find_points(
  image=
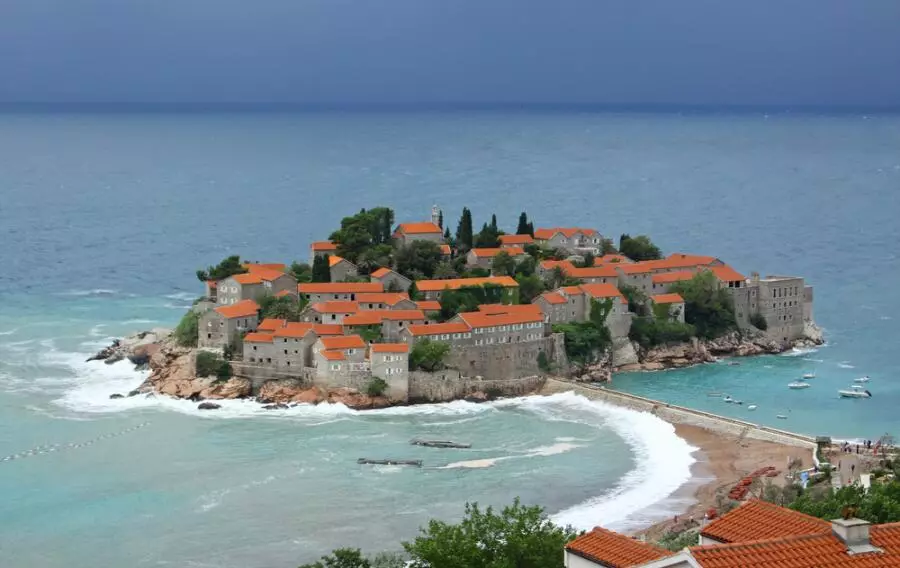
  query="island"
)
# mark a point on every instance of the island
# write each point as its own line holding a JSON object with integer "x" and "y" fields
{"x": 385, "y": 314}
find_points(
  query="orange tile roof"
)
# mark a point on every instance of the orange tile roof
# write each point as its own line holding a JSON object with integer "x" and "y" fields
{"x": 603, "y": 291}
{"x": 335, "y": 259}
{"x": 340, "y": 287}
{"x": 342, "y": 342}
{"x": 667, "y": 298}
{"x": 605, "y": 271}
{"x": 381, "y": 272}
{"x": 635, "y": 268}
{"x": 457, "y": 283}
{"x": 481, "y": 319}
{"x": 509, "y": 309}
{"x": 553, "y": 298}
{"x": 419, "y": 228}
{"x": 445, "y": 250}
{"x": 335, "y": 307}
{"x": 241, "y": 309}
{"x": 613, "y": 259}
{"x": 429, "y": 305}
{"x": 271, "y": 324}
{"x": 758, "y": 520}
{"x": 323, "y": 246}
{"x": 614, "y": 550}
{"x": 491, "y": 252}
{"x": 438, "y": 328}
{"x": 727, "y": 274}
{"x": 389, "y": 348}
{"x": 516, "y": 239}
{"x": 568, "y": 232}
{"x": 375, "y": 317}
{"x": 258, "y": 338}
{"x": 886, "y": 536}
{"x": 333, "y": 355}
{"x": 327, "y": 329}
{"x": 551, "y": 264}
{"x": 257, "y": 276}
{"x": 294, "y": 329}
{"x": 667, "y": 277}
{"x": 690, "y": 259}
{"x": 256, "y": 266}
{"x": 571, "y": 290}
{"x": 389, "y": 298}
{"x": 285, "y": 293}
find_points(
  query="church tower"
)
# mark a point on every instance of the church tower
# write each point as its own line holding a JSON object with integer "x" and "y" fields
{"x": 435, "y": 215}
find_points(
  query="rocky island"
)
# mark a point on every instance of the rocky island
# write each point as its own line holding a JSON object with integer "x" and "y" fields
{"x": 386, "y": 314}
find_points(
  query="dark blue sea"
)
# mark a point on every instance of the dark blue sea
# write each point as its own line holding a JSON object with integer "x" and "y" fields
{"x": 104, "y": 218}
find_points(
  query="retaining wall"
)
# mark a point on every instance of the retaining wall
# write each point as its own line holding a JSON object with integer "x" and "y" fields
{"x": 449, "y": 385}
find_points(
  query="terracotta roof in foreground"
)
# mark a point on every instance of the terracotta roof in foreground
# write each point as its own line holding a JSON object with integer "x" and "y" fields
{"x": 294, "y": 329}
{"x": 603, "y": 271}
{"x": 242, "y": 309}
{"x": 389, "y": 348}
{"x": 254, "y": 266}
{"x": 335, "y": 307}
{"x": 334, "y": 355}
{"x": 258, "y": 275}
{"x": 343, "y": 342}
{"x": 516, "y": 239}
{"x": 419, "y": 228}
{"x": 376, "y": 317}
{"x": 492, "y": 252}
{"x": 613, "y": 259}
{"x": 727, "y": 274}
{"x": 614, "y": 550}
{"x": 340, "y": 287}
{"x": 568, "y": 232}
{"x": 758, "y": 520}
{"x": 668, "y": 277}
{"x": 429, "y": 305}
{"x": 323, "y": 246}
{"x": 667, "y": 298}
{"x": 258, "y": 338}
{"x": 603, "y": 291}
{"x": 457, "y": 283}
{"x": 482, "y": 320}
{"x": 271, "y": 324}
{"x": 438, "y": 329}
{"x": 335, "y": 259}
{"x": 389, "y": 298}
{"x": 553, "y": 298}
{"x": 493, "y": 309}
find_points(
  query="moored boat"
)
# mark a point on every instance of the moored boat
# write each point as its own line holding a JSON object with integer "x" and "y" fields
{"x": 751, "y": 407}
{"x": 862, "y": 379}
{"x": 728, "y": 398}
{"x": 855, "y": 391}
{"x": 798, "y": 385}
{"x": 807, "y": 376}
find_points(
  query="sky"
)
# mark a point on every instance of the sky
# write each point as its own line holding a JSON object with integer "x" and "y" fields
{"x": 639, "y": 52}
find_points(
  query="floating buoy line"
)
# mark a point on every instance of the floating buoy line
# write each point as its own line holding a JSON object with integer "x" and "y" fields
{"x": 51, "y": 448}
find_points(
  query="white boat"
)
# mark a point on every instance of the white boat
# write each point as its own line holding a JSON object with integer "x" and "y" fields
{"x": 781, "y": 417}
{"x": 798, "y": 385}
{"x": 855, "y": 391}
{"x": 751, "y": 407}
{"x": 807, "y": 376}
{"x": 862, "y": 379}
{"x": 728, "y": 398}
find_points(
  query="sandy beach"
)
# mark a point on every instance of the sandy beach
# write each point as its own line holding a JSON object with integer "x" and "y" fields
{"x": 723, "y": 459}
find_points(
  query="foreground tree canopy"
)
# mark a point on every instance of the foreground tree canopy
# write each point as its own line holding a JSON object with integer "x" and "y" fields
{"x": 707, "y": 307}
{"x": 228, "y": 267}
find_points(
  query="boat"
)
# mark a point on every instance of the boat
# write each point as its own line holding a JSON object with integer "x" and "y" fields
{"x": 366, "y": 461}
{"x": 781, "y": 417}
{"x": 439, "y": 444}
{"x": 865, "y": 379}
{"x": 799, "y": 385}
{"x": 739, "y": 402}
{"x": 855, "y": 391}
{"x": 751, "y": 407}
{"x": 807, "y": 376}
{"x": 728, "y": 398}
{"x": 713, "y": 394}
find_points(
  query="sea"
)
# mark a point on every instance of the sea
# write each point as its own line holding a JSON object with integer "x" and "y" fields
{"x": 106, "y": 216}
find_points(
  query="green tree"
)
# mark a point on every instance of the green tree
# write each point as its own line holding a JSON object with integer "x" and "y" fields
{"x": 586, "y": 342}
{"x": 301, "y": 271}
{"x": 342, "y": 558}
{"x": 516, "y": 537}
{"x": 527, "y": 266}
{"x": 413, "y": 292}
{"x": 441, "y": 219}
{"x": 493, "y": 225}
{"x": 650, "y": 332}
{"x": 503, "y": 264}
{"x": 588, "y": 260}
{"x": 524, "y": 227}
{"x": 488, "y": 237}
{"x": 447, "y": 238}
{"x": 533, "y": 250}
{"x": 228, "y": 267}
{"x": 370, "y": 333}
{"x": 477, "y": 272}
{"x": 639, "y": 248}
{"x": 280, "y": 307}
{"x": 758, "y": 321}
{"x": 418, "y": 256}
{"x": 607, "y": 247}
{"x": 555, "y": 278}
{"x": 208, "y": 364}
{"x": 879, "y": 504}
{"x": 530, "y": 287}
{"x": 376, "y": 387}
{"x": 543, "y": 362}
{"x": 374, "y": 258}
{"x": 464, "y": 231}
{"x": 707, "y": 307}
{"x": 186, "y": 332}
{"x": 468, "y": 298}
{"x": 360, "y": 232}
{"x": 444, "y": 271}
{"x": 637, "y": 299}
{"x": 321, "y": 271}
{"x": 428, "y": 355}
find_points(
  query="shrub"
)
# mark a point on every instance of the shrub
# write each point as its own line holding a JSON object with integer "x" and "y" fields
{"x": 208, "y": 364}
{"x": 707, "y": 307}
{"x": 229, "y": 267}
{"x": 428, "y": 355}
{"x": 758, "y": 321}
{"x": 543, "y": 362}
{"x": 376, "y": 387}
{"x": 187, "y": 329}
{"x": 650, "y": 332}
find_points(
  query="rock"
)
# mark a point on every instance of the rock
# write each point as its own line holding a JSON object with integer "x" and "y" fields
{"x": 141, "y": 354}
{"x": 280, "y": 390}
{"x": 116, "y": 395}
{"x": 208, "y": 406}
{"x": 106, "y": 352}
{"x": 477, "y": 396}
{"x": 309, "y": 396}
{"x": 232, "y": 388}
{"x": 114, "y": 358}
{"x": 277, "y": 406}
{"x": 135, "y": 392}
{"x": 352, "y": 398}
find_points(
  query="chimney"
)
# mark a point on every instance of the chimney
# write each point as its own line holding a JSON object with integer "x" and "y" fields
{"x": 854, "y": 533}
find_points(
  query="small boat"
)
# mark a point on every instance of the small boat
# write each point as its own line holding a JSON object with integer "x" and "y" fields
{"x": 366, "y": 461}
{"x": 798, "y": 385}
{"x": 781, "y": 417}
{"x": 734, "y": 364}
{"x": 728, "y": 398}
{"x": 807, "y": 376}
{"x": 751, "y": 407}
{"x": 865, "y": 379}
{"x": 739, "y": 402}
{"x": 439, "y": 444}
{"x": 855, "y": 391}
{"x": 713, "y": 394}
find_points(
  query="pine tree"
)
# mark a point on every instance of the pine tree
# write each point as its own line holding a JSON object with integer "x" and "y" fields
{"x": 321, "y": 272}
{"x": 522, "y": 229}
{"x": 464, "y": 234}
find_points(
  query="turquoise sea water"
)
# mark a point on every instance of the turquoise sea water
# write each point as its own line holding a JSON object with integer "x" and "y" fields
{"x": 105, "y": 217}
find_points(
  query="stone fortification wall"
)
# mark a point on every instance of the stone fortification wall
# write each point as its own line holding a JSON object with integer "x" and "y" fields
{"x": 502, "y": 361}
{"x": 258, "y": 374}
{"x": 448, "y": 385}
{"x": 681, "y": 415}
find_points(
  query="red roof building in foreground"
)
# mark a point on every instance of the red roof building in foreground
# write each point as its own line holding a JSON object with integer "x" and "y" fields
{"x": 755, "y": 535}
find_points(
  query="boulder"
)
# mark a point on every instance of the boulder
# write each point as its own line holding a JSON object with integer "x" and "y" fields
{"x": 277, "y": 406}
{"x": 135, "y": 392}
{"x": 114, "y": 358}
{"x": 309, "y": 396}
{"x": 280, "y": 390}
{"x": 234, "y": 387}
{"x": 116, "y": 395}
{"x": 208, "y": 406}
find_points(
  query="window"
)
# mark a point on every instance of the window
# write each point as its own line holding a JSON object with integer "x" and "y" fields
{"x": 335, "y": 366}
{"x": 285, "y": 351}
{"x": 254, "y": 347}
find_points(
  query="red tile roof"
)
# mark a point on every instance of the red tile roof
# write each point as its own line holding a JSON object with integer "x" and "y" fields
{"x": 375, "y": 317}
{"x": 335, "y": 307}
{"x": 334, "y": 259}
{"x": 455, "y": 284}
{"x": 635, "y": 268}
{"x": 482, "y": 320}
{"x": 445, "y": 250}
{"x": 258, "y": 275}
{"x": 614, "y": 550}
{"x": 568, "y": 232}
{"x": 553, "y": 298}
{"x": 491, "y": 252}
{"x": 551, "y": 264}
{"x": 613, "y": 259}
{"x": 258, "y": 338}
{"x": 429, "y": 305}
{"x": 419, "y": 228}
{"x": 323, "y": 246}
{"x": 603, "y": 291}
{"x": 667, "y": 277}
{"x": 516, "y": 239}
{"x": 389, "y": 298}
{"x": 438, "y": 328}
{"x": 340, "y": 287}
{"x": 494, "y": 309}
{"x": 255, "y": 266}
{"x": 240, "y": 309}
{"x": 271, "y": 324}
{"x": 605, "y": 271}
{"x": 571, "y": 290}
{"x": 667, "y": 298}
{"x": 342, "y": 342}
{"x": 294, "y": 329}
{"x": 334, "y": 355}
{"x": 758, "y": 520}
{"x": 727, "y": 274}
{"x": 389, "y": 348}
{"x": 285, "y": 293}
{"x": 381, "y": 272}
{"x": 327, "y": 329}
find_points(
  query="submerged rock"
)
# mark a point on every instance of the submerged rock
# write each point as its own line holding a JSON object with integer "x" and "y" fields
{"x": 208, "y": 406}
{"x": 277, "y": 406}
{"x": 135, "y": 392}
{"x": 116, "y": 395}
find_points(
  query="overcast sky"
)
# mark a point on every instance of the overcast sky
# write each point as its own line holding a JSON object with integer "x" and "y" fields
{"x": 697, "y": 52}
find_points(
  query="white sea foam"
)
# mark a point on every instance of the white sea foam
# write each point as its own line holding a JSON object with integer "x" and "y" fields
{"x": 799, "y": 351}
{"x": 846, "y": 365}
{"x": 94, "y": 292}
{"x": 181, "y": 296}
{"x": 9, "y": 332}
{"x": 139, "y": 321}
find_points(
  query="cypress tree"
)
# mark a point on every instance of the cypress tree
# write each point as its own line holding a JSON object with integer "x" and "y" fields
{"x": 494, "y": 224}
{"x": 464, "y": 234}
{"x": 522, "y": 229}
{"x": 321, "y": 272}
{"x": 441, "y": 219}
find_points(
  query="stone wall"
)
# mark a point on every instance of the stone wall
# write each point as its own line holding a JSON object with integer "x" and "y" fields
{"x": 501, "y": 360}
{"x": 680, "y": 415}
{"x": 257, "y": 375}
{"x": 449, "y": 385}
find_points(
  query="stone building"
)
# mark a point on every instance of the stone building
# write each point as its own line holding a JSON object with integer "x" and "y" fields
{"x": 288, "y": 346}
{"x": 332, "y": 311}
{"x": 671, "y": 304}
{"x": 391, "y": 280}
{"x": 385, "y": 301}
{"x": 321, "y": 248}
{"x": 785, "y": 302}
{"x": 554, "y": 307}
{"x": 253, "y": 285}
{"x": 336, "y": 356}
{"x": 484, "y": 257}
{"x": 390, "y": 361}
{"x": 432, "y": 289}
{"x": 408, "y": 233}
{"x": 341, "y": 269}
{"x": 572, "y": 239}
{"x": 346, "y": 291}
{"x": 391, "y": 322}
{"x": 224, "y": 325}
